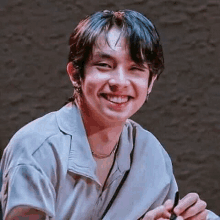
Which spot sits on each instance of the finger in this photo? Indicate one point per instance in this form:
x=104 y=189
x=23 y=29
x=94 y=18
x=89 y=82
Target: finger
x=168 y=205
x=159 y=212
x=186 y=202
x=200 y=216
x=199 y=207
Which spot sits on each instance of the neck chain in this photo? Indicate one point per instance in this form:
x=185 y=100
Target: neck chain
x=102 y=156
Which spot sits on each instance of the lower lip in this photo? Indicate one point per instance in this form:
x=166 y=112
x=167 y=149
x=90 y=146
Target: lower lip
x=117 y=106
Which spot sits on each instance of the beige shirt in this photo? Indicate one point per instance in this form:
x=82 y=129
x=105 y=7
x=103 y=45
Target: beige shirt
x=48 y=165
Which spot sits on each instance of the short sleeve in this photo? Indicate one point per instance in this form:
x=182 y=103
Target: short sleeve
x=173 y=188
x=29 y=186
x=212 y=216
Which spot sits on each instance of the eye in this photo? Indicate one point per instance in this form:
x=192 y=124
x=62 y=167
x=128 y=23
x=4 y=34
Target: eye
x=103 y=66
x=137 y=68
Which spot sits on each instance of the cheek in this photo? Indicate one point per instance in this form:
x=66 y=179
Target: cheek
x=93 y=82
x=142 y=86
x=89 y=89
x=90 y=86
x=141 y=90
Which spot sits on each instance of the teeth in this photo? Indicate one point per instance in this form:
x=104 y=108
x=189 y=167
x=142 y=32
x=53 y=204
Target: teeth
x=117 y=99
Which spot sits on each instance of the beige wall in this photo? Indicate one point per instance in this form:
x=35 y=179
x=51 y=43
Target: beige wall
x=184 y=108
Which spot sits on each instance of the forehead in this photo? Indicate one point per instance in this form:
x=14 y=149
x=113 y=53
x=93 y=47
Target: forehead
x=111 y=42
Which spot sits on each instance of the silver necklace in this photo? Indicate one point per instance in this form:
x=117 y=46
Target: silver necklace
x=102 y=156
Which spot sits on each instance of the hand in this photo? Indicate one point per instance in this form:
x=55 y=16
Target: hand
x=161 y=213
x=191 y=207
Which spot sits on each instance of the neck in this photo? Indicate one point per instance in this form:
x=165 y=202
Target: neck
x=102 y=136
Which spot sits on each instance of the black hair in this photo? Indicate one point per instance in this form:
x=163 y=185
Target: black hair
x=141 y=35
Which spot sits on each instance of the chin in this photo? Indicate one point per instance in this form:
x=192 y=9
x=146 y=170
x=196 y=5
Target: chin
x=117 y=117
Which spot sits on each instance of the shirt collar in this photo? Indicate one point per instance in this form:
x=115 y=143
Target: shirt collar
x=123 y=155
x=80 y=157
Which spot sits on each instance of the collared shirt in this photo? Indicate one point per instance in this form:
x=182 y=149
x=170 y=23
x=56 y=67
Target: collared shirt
x=48 y=165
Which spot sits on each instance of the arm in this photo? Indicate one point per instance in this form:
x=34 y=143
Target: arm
x=27 y=213
x=191 y=207
x=25 y=191
x=191 y=201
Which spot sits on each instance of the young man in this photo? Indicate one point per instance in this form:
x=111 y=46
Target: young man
x=88 y=160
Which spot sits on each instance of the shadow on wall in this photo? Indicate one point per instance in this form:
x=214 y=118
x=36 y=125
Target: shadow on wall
x=1 y=217
x=1 y=152
x=1 y=149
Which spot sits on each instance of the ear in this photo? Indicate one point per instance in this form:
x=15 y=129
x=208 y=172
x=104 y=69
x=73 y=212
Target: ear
x=71 y=70
x=154 y=77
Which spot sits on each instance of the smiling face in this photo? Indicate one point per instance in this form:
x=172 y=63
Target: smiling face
x=114 y=87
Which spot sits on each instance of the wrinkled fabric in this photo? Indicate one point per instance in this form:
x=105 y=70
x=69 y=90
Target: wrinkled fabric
x=48 y=165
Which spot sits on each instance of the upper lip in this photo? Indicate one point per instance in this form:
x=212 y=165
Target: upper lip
x=115 y=94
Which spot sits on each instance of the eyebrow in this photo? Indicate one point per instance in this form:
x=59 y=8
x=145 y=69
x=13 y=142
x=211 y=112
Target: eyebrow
x=102 y=55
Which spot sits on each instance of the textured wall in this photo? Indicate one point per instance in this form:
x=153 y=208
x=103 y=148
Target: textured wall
x=184 y=108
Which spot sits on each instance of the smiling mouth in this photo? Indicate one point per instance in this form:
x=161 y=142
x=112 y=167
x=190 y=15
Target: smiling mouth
x=118 y=99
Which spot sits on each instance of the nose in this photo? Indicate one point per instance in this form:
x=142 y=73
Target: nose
x=119 y=78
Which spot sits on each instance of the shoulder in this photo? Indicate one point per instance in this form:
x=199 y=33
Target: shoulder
x=34 y=133
x=30 y=144
x=143 y=137
x=148 y=147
